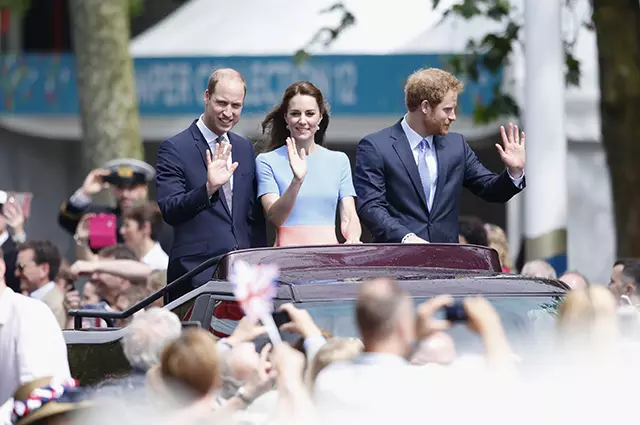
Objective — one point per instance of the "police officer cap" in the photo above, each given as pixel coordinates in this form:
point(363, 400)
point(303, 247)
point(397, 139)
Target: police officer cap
point(129, 172)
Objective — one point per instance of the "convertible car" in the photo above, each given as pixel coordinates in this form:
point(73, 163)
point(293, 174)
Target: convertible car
point(324, 281)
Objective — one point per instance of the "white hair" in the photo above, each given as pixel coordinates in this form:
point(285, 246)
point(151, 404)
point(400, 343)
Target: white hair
point(539, 268)
point(148, 334)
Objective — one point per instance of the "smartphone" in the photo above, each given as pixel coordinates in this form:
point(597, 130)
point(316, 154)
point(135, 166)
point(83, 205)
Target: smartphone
point(280, 318)
point(103, 231)
point(456, 313)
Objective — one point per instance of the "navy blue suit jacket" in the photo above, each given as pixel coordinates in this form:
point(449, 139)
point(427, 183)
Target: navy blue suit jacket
point(391, 201)
point(203, 226)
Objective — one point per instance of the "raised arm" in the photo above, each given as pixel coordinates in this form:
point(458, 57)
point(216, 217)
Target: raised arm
point(278, 208)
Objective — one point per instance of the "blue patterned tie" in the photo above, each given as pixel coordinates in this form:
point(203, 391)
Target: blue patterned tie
point(423, 169)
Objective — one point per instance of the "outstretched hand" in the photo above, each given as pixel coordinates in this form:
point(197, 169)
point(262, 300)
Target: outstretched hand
point(218, 172)
point(297, 161)
point(512, 152)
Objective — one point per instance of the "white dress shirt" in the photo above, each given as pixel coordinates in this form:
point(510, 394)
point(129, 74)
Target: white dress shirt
point(31, 346)
point(211, 137)
point(157, 259)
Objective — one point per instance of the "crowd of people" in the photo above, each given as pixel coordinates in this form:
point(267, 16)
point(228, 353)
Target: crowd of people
point(216, 195)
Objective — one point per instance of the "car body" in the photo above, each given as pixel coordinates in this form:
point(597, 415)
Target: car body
point(324, 280)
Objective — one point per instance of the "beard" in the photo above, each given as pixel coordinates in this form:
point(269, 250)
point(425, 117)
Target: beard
point(437, 128)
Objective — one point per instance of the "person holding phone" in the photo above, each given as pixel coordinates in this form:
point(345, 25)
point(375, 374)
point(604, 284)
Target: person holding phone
point(300, 182)
point(127, 179)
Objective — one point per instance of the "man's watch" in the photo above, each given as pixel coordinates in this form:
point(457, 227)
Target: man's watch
point(242, 395)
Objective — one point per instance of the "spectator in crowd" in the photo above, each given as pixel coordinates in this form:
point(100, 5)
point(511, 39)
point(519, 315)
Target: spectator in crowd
point(67, 405)
point(31, 344)
point(146, 336)
point(587, 321)
point(116, 269)
point(37, 267)
point(140, 232)
point(11, 234)
point(627, 289)
point(127, 298)
point(472, 231)
point(615, 284)
point(64, 280)
point(128, 181)
point(539, 268)
point(157, 281)
point(497, 239)
point(575, 279)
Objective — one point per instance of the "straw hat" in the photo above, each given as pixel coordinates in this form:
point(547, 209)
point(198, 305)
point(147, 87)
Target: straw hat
point(46, 397)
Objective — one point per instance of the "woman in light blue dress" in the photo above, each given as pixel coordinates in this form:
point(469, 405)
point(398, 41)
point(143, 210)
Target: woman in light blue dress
point(300, 182)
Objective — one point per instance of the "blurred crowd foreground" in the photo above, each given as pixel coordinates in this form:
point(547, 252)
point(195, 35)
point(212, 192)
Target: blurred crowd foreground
point(403, 366)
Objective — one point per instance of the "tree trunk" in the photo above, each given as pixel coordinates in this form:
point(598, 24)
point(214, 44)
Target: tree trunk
point(106, 82)
point(617, 25)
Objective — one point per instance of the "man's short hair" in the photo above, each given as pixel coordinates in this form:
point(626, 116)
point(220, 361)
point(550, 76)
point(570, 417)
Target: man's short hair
point(473, 230)
point(224, 73)
point(44, 252)
point(631, 274)
point(624, 262)
point(149, 212)
point(377, 306)
point(118, 252)
point(430, 84)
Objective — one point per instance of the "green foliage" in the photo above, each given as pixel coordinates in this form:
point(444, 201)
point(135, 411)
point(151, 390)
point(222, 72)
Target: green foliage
point(327, 35)
point(492, 52)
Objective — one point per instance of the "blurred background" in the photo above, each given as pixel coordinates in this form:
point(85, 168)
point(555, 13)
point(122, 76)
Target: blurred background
point(68, 68)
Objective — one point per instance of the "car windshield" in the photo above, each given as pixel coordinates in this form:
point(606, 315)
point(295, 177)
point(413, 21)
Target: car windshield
point(525, 319)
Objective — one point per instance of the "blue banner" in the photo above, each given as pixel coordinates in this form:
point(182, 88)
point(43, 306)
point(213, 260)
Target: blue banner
point(353, 85)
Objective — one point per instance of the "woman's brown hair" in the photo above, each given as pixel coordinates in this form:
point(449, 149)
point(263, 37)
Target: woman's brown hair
point(192, 362)
point(274, 126)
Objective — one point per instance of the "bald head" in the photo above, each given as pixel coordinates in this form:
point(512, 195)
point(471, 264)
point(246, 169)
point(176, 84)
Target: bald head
point(575, 280)
point(225, 74)
point(377, 307)
point(539, 268)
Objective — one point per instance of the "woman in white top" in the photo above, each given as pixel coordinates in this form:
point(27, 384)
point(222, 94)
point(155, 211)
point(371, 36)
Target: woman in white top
point(140, 230)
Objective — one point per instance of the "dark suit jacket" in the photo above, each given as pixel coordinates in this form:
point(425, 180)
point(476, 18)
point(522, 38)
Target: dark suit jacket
point(391, 200)
point(203, 227)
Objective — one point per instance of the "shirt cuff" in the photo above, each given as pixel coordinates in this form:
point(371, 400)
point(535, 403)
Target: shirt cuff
point(312, 345)
point(516, 182)
point(407, 236)
point(80, 200)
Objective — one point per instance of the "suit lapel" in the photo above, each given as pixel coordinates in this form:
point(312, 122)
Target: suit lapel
point(202, 146)
point(440, 144)
point(401, 146)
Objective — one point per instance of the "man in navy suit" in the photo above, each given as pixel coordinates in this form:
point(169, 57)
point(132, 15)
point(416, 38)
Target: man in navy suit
point(409, 176)
point(207, 186)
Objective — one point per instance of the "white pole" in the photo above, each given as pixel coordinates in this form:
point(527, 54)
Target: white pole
point(546, 192)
